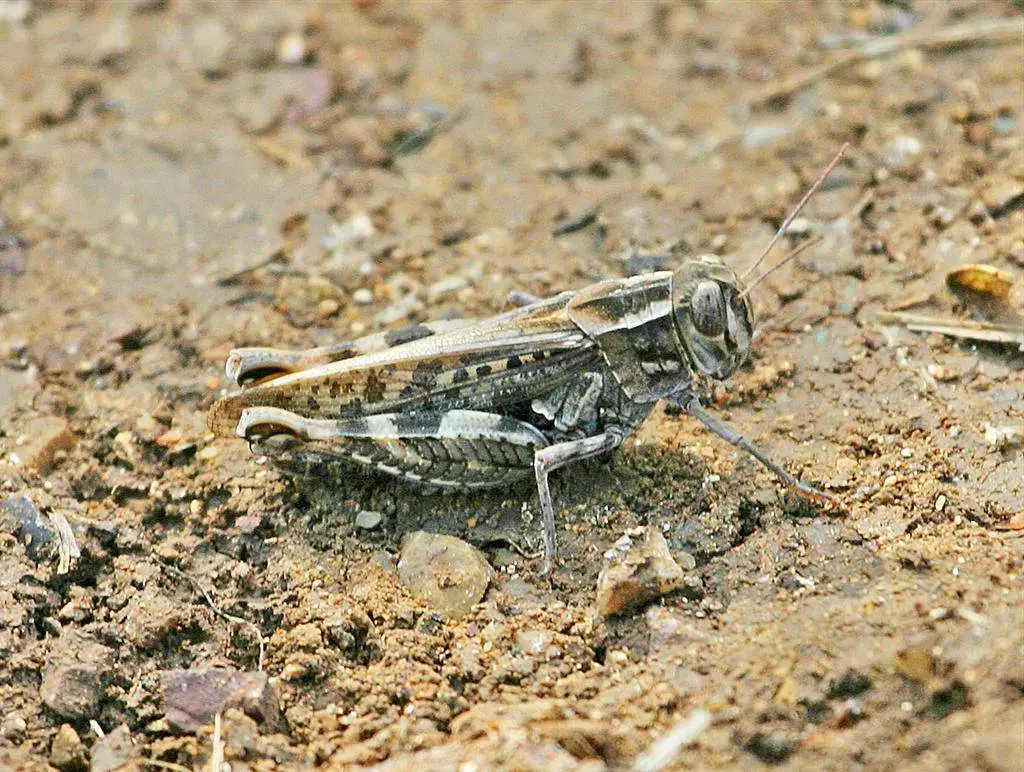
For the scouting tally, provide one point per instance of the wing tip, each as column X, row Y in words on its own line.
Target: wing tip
column 224, row 416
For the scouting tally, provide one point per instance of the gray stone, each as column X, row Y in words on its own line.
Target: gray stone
column 446, row 573
column 367, row 520
column 20, row 516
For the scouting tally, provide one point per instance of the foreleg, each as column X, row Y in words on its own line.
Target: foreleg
column 732, row 435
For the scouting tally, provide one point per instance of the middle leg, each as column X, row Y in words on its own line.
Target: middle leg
column 546, row 460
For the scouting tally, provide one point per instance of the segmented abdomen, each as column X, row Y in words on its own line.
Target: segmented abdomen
column 453, row 463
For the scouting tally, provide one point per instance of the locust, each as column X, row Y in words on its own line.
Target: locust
column 467, row 405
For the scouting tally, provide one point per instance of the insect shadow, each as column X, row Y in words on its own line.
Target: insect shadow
column 604, row 498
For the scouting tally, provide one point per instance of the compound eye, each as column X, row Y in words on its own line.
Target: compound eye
column 707, row 308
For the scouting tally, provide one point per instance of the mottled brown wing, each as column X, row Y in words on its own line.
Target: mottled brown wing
column 505, row 360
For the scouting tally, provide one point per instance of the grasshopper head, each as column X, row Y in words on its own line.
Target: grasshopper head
column 713, row 317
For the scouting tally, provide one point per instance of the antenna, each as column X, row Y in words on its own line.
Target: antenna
column 806, row 245
column 792, row 215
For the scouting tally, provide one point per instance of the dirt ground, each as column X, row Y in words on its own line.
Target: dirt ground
column 179, row 178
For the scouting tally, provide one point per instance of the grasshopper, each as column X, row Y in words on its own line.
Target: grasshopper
column 469, row 405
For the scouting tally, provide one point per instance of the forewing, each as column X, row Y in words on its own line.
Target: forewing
column 504, row 360
column 254, row 365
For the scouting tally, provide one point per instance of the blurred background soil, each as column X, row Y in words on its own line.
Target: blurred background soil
column 178, row 178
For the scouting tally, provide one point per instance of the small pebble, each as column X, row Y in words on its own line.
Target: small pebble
column 191, row 698
column 67, row 752
column 641, row 569
column 45, row 437
column 327, row 307
column 13, row 727
column 901, row 154
column 1001, row 194
column 291, row 49
column 445, row 573
column 1002, row 437
column 533, row 641
column 368, row 520
column 362, row 297
column 942, row 373
column 211, row 44
column 113, row 751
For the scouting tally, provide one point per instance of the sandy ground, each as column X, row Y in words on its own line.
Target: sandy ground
column 180, row 178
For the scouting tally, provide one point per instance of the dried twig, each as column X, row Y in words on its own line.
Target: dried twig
column 985, row 32
column 579, row 222
column 67, row 547
column 217, row 755
column 420, row 139
column 214, row 607
column 160, row 764
column 269, row 257
column 283, row 155
column 663, row 751
column 956, row 328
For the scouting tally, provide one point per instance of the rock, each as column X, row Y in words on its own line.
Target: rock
column 534, row 641
column 353, row 231
column 446, row 573
column 193, row 697
column 44, row 437
column 639, row 571
column 770, row 748
column 292, row 49
column 114, row 750
column 211, row 45
column 367, row 520
column 902, row 154
column 1002, row 194
column 13, row 728
column 75, row 675
column 67, row 752
column 850, row 684
column 19, row 515
column 1003, row 437
column 916, row 663
column 152, row 616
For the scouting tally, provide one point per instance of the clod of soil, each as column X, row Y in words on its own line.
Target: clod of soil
column 640, row 569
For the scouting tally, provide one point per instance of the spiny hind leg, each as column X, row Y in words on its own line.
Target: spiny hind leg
column 546, row 460
column 453, row 449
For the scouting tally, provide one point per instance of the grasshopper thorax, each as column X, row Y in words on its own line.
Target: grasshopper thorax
column 713, row 317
